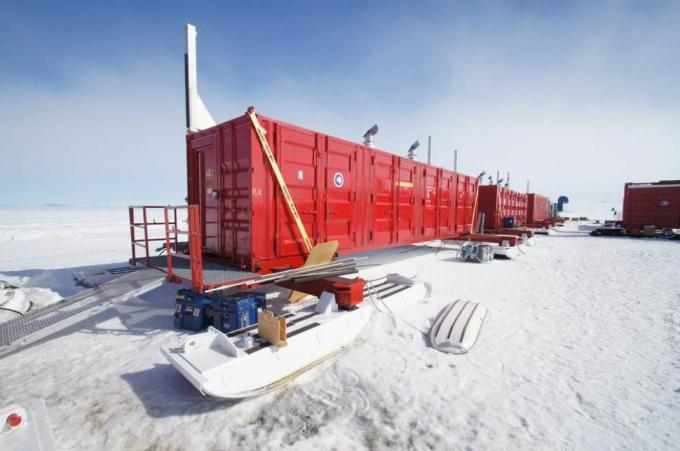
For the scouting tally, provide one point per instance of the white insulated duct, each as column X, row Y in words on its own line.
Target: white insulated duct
column 198, row 116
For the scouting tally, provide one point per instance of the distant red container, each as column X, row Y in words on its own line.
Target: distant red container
column 498, row 203
column 365, row 198
column 538, row 208
column 651, row 204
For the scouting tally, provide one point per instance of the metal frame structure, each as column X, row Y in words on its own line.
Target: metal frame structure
column 215, row 276
column 195, row 256
column 171, row 239
column 144, row 225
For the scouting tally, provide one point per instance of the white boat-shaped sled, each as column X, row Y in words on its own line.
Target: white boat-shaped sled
column 242, row 364
column 458, row 326
column 213, row 363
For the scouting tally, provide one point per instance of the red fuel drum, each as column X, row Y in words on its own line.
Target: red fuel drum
column 538, row 208
column 365, row 198
column 497, row 203
column 651, row 204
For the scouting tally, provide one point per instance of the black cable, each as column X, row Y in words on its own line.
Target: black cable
column 12, row 310
column 4, row 285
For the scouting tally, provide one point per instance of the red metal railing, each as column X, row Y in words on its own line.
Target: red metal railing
column 195, row 256
column 145, row 226
column 172, row 232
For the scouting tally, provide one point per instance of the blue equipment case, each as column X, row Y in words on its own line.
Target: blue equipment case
column 237, row 311
column 192, row 310
column 509, row 222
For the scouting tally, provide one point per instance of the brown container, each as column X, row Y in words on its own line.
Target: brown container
column 651, row 204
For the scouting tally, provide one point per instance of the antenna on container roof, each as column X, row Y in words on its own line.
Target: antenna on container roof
column 198, row 116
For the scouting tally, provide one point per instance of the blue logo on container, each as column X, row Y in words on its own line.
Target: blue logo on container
column 338, row 180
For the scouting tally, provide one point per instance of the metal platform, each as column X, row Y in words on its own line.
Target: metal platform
column 212, row 272
column 38, row 324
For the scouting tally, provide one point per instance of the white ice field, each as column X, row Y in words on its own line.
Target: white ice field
column 581, row 350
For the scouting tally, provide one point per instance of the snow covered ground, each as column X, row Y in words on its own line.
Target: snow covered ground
column 41, row 249
column 581, row 350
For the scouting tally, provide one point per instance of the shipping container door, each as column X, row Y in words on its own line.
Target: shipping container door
column 206, row 151
column 405, row 183
column 297, row 158
column 227, row 197
column 236, row 206
column 666, row 208
column 446, row 204
column 340, row 196
column 382, row 230
column 642, row 211
column 431, row 202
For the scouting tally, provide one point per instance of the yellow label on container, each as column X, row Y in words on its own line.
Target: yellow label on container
column 404, row 184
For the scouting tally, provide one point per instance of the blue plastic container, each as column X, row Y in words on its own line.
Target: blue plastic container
column 509, row 222
column 192, row 310
column 237, row 311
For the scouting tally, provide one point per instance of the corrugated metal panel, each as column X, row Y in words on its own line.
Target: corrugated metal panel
column 651, row 204
column 497, row 203
column 363, row 197
column 538, row 208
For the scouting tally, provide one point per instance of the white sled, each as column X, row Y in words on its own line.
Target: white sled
column 217, row 367
column 457, row 328
column 500, row 250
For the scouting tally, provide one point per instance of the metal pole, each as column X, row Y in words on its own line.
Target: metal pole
column 455, row 160
column 508, row 179
column 498, row 176
column 527, row 186
column 429, row 149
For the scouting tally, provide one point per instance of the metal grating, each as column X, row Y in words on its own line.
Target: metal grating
column 38, row 324
column 212, row 272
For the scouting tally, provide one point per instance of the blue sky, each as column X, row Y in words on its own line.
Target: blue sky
column 576, row 97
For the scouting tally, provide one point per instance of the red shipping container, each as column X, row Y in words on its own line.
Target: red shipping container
column 498, row 203
column 651, row 204
column 538, row 208
column 363, row 197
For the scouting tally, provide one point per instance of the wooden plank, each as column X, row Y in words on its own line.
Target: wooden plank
column 260, row 132
column 321, row 253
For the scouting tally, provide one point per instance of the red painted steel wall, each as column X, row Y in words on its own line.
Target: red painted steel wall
column 651, row 204
column 538, row 208
column 364, row 198
column 497, row 203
